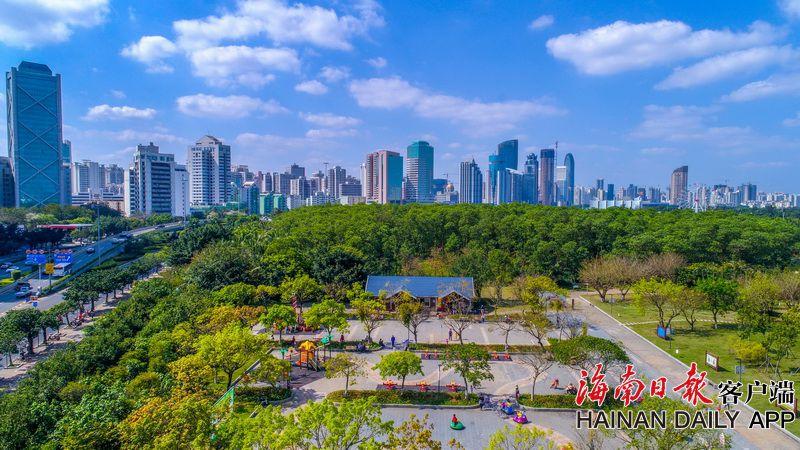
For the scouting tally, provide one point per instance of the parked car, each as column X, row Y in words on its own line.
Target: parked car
column 23, row 293
column 22, row 285
column 5, row 266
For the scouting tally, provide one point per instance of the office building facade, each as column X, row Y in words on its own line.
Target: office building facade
column 507, row 157
column 419, row 170
column 470, row 188
column 33, row 96
column 384, row 174
column 569, row 180
column 547, row 174
column 679, row 186
column 530, row 180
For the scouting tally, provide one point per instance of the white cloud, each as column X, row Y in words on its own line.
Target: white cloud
column 283, row 144
column 104, row 111
column 128, row 135
column 232, row 106
column 695, row 127
column 623, row 46
column 387, row 93
column 152, row 51
column 333, row 74
column 242, row 65
column 542, row 22
column 791, row 8
column 330, row 120
column 729, row 64
column 326, row 133
column 312, row 87
column 782, row 84
column 792, row 121
column 295, row 24
column 479, row 117
column 118, row 94
column 378, row 63
column 30, row 23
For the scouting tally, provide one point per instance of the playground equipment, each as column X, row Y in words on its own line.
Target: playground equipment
column 507, row 408
column 307, row 352
column 455, row 424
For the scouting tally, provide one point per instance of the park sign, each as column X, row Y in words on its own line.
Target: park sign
column 35, row 257
column 62, row 256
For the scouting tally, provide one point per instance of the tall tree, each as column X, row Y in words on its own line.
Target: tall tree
column 278, row 317
column 399, row 364
column 370, row 313
column 328, row 315
column 661, row 296
column 539, row 363
column 27, row 322
column 345, row 365
column 598, row 274
column 470, row 361
column 411, row 313
column 229, row 350
column 720, row 295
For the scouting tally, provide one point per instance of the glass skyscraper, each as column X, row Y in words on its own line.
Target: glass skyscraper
column 569, row 180
column 506, row 158
column 419, row 165
column 530, row 180
column 33, row 95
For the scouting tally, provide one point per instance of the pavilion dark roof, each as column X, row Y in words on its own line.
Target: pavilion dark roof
column 421, row 286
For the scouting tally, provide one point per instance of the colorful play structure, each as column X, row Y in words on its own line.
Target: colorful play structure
column 306, row 356
column 456, row 424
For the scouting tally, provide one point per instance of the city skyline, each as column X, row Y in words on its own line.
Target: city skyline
column 163, row 73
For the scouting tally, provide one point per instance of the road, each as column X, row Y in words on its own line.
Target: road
column 105, row 247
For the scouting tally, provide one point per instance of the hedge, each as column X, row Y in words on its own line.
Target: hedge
column 404, row 397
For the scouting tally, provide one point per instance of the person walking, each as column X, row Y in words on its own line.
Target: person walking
column 449, row 335
column 516, row 393
column 393, row 339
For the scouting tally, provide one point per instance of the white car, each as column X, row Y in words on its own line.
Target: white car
column 12, row 268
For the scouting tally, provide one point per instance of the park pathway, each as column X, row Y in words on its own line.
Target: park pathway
column 673, row 369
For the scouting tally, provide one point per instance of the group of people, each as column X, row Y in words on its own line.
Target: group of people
column 570, row 389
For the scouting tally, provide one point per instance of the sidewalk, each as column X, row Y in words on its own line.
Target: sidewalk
column 10, row 376
column 675, row 370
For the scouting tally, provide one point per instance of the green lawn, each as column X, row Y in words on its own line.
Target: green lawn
column 691, row 346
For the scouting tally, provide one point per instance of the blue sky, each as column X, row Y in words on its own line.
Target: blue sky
column 632, row 88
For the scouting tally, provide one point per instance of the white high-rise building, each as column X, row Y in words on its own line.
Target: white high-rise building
column 149, row 182
column 209, row 166
column 180, row 191
column 86, row 177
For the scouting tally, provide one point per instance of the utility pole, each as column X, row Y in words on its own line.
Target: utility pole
column 99, row 253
